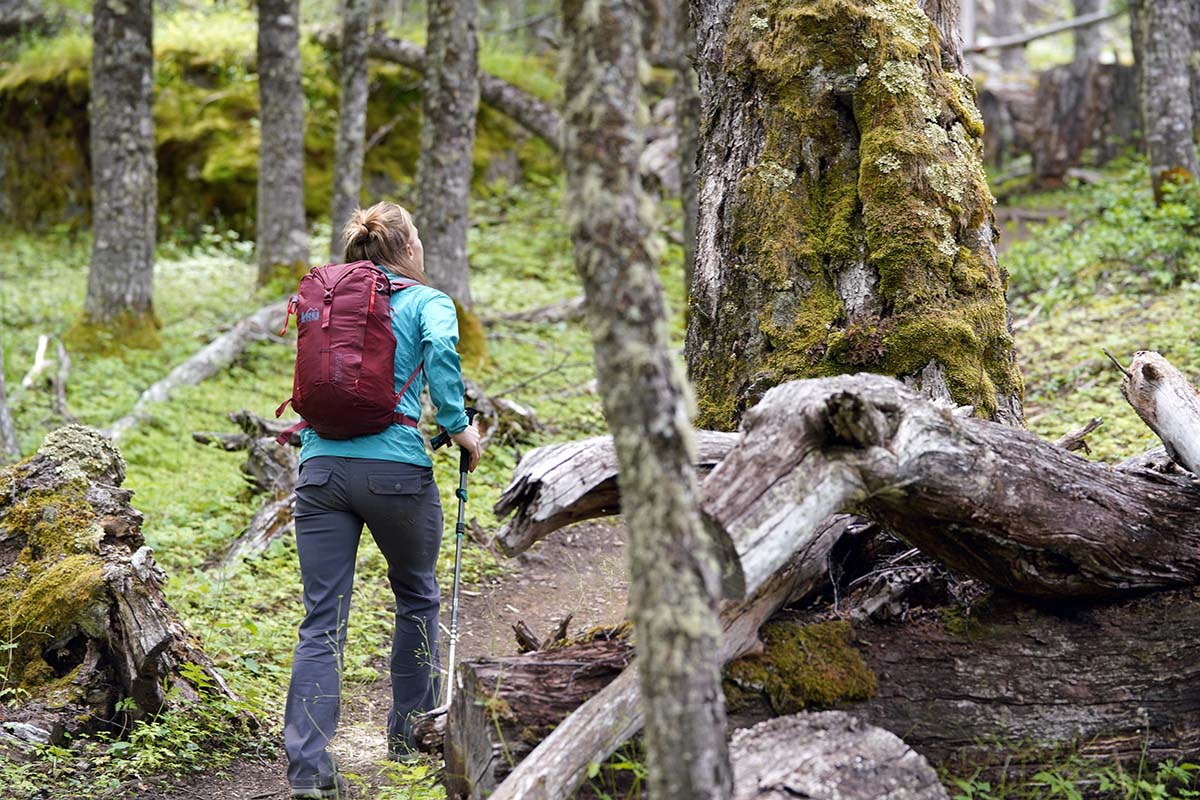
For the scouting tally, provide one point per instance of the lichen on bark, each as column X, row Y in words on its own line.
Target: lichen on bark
column 851, row 228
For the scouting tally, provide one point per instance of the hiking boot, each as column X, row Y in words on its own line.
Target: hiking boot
column 334, row 791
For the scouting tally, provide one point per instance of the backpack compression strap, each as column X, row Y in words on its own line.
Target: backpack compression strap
column 397, row 417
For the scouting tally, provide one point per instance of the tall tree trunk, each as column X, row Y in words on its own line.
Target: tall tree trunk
column 1088, row 40
column 281, row 238
column 845, row 221
column 1194, row 63
column 124, row 183
column 352, row 120
column 1005, row 20
column 450, row 100
column 687, row 128
column 1166, row 92
column 674, row 581
column 10, row 448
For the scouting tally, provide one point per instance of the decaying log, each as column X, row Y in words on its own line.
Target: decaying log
column 563, row 311
column 990, row 501
column 1166, row 402
column 827, row 755
column 83, row 599
column 210, row 360
column 560, row 484
column 597, row 728
column 504, row 707
column 271, row 471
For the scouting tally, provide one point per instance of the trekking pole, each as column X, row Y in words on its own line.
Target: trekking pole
column 464, row 465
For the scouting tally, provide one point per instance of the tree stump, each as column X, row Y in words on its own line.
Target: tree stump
column 84, row 617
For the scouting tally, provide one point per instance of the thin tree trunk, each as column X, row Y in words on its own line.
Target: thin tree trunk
column 449, row 103
column 281, row 238
column 687, row 127
column 1088, row 39
column 124, row 188
column 1167, row 93
column 674, row 573
column 352, row 121
column 1194, row 62
column 839, row 230
column 1007, row 21
column 10, row 448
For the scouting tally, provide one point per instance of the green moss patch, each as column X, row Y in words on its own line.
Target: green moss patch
column 52, row 588
column 802, row 667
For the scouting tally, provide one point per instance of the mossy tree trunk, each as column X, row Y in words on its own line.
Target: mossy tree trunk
column 1166, row 92
column 120, row 289
column 450, row 100
column 281, row 239
column 352, row 120
column 845, row 220
column 674, row 584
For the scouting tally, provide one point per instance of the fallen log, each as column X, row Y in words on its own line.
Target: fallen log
column 476, row 760
column 827, row 755
column 990, row 501
column 1168, row 404
column 271, row 471
column 94, row 644
column 1003, row 685
column 560, row 484
column 210, row 360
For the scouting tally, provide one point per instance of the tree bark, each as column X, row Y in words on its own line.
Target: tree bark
column 281, row 238
column 672, row 563
column 120, row 289
column 84, row 598
column 352, row 121
column 449, row 102
column 829, row 754
column 840, row 228
column 687, row 129
column 534, row 115
column 1166, row 93
column 1087, row 38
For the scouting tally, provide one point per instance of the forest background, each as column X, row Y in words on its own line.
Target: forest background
column 1093, row 261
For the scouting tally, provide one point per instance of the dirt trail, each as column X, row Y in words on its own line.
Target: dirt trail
column 579, row 571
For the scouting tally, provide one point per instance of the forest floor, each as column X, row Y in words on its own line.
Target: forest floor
column 578, row 571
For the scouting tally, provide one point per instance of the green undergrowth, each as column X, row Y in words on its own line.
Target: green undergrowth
column 1112, row 240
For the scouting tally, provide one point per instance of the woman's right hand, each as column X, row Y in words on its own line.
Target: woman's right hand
column 468, row 439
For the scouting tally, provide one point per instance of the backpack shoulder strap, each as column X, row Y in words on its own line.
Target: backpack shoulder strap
column 400, row 284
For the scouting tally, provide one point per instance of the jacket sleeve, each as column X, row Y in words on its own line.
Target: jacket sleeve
column 439, row 340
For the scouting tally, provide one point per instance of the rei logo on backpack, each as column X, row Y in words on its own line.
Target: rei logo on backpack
column 345, row 383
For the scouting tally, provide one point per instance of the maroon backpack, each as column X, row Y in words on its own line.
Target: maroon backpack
column 345, row 384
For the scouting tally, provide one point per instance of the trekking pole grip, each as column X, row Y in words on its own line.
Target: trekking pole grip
column 443, row 438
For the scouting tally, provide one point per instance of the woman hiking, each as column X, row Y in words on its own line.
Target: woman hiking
column 384, row 480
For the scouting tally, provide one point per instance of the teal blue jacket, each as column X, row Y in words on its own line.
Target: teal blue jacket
column 426, row 327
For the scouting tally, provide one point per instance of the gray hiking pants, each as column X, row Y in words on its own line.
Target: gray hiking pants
column 400, row 505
